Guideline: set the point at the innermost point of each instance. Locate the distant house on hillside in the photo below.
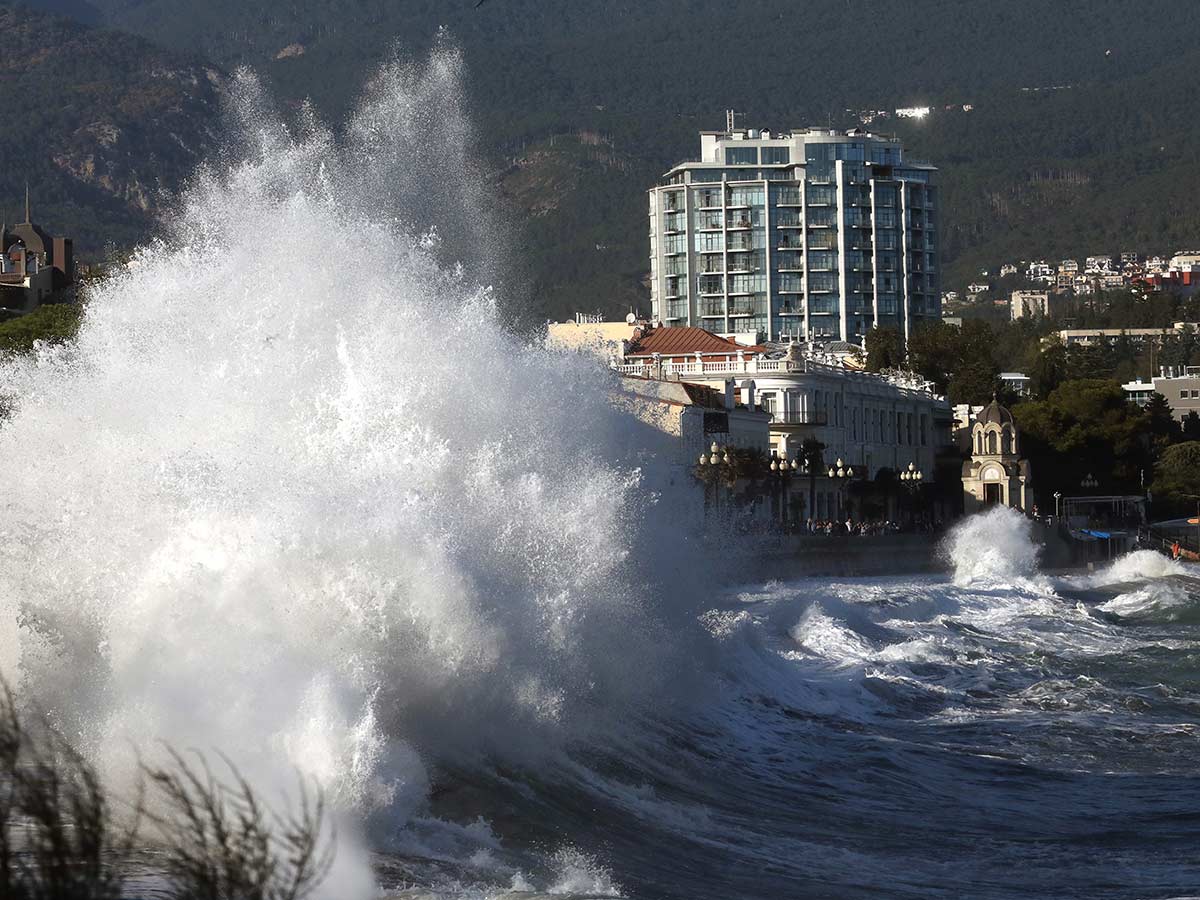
(33, 265)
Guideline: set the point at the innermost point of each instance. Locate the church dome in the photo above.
(995, 414)
(35, 239)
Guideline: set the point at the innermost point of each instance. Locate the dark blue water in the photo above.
(997, 735)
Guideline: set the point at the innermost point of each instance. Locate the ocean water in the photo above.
(299, 494)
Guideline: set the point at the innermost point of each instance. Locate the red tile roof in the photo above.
(685, 341)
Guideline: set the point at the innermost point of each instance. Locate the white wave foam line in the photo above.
(1149, 601)
(296, 495)
(1139, 565)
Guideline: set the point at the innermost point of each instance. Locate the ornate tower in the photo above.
(995, 475)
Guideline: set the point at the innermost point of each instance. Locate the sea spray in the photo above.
(994, 547)
(295, 495)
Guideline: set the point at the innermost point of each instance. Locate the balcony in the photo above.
(797, 417)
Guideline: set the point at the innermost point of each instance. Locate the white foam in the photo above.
(993, 547)
(1137, 566)
(296, 495)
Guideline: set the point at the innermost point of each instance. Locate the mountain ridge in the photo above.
(1076, 141)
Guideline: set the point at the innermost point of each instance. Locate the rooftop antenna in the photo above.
(27, 219)
(730, 121)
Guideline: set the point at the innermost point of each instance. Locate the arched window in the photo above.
(991, 442)
(1006, 440)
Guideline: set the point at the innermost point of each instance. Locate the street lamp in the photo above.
(911, 478)
(781, 470)
(840, 473)
(1089, 482)
(1057, 512)
(714, 457)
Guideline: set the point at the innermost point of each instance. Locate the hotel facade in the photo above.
(811, 236)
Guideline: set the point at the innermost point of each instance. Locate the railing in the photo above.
(799, 417)
(906, 383)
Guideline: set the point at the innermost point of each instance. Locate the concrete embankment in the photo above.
(852, 555)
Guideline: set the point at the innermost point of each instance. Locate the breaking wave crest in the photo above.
(295, 493)
(995, 546)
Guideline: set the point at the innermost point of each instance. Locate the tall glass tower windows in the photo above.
(746, 195)
(789, 260)
(741, 156)
(836, 197)
(884, 155)
(822, 260)
(750, 283)
(674, 243)
(751, 217)
(821, 195)
(819, 173)
(785, 196)
(852, 151)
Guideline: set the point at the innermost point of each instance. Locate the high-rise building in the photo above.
(816, 235)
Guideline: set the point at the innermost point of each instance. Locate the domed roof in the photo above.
(35, 239)
(995, 414)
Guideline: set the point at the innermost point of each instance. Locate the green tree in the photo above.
(1164, 427)
(1048, 371)
(1191, 427)
(885, 349)
(1177, 477)
(1085, 426)
(53, 323)
(959, 361)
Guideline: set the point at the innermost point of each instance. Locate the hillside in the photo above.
(98, 124)
(1104, 162)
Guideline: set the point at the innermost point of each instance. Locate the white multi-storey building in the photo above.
(871, 422)
(814, 235)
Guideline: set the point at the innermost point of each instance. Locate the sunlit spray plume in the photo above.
(295, 495)
(993, 547)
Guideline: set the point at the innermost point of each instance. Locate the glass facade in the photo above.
(840, 237)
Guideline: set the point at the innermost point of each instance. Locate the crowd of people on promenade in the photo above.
(850, 527)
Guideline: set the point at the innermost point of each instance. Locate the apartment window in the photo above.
(741, 156)
(675, 243)
(748, 195)
(885, 156)
(776, 156)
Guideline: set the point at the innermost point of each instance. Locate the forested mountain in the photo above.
(1079, 138)
(97, 123)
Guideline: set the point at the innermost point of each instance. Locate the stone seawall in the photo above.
(854, 556)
